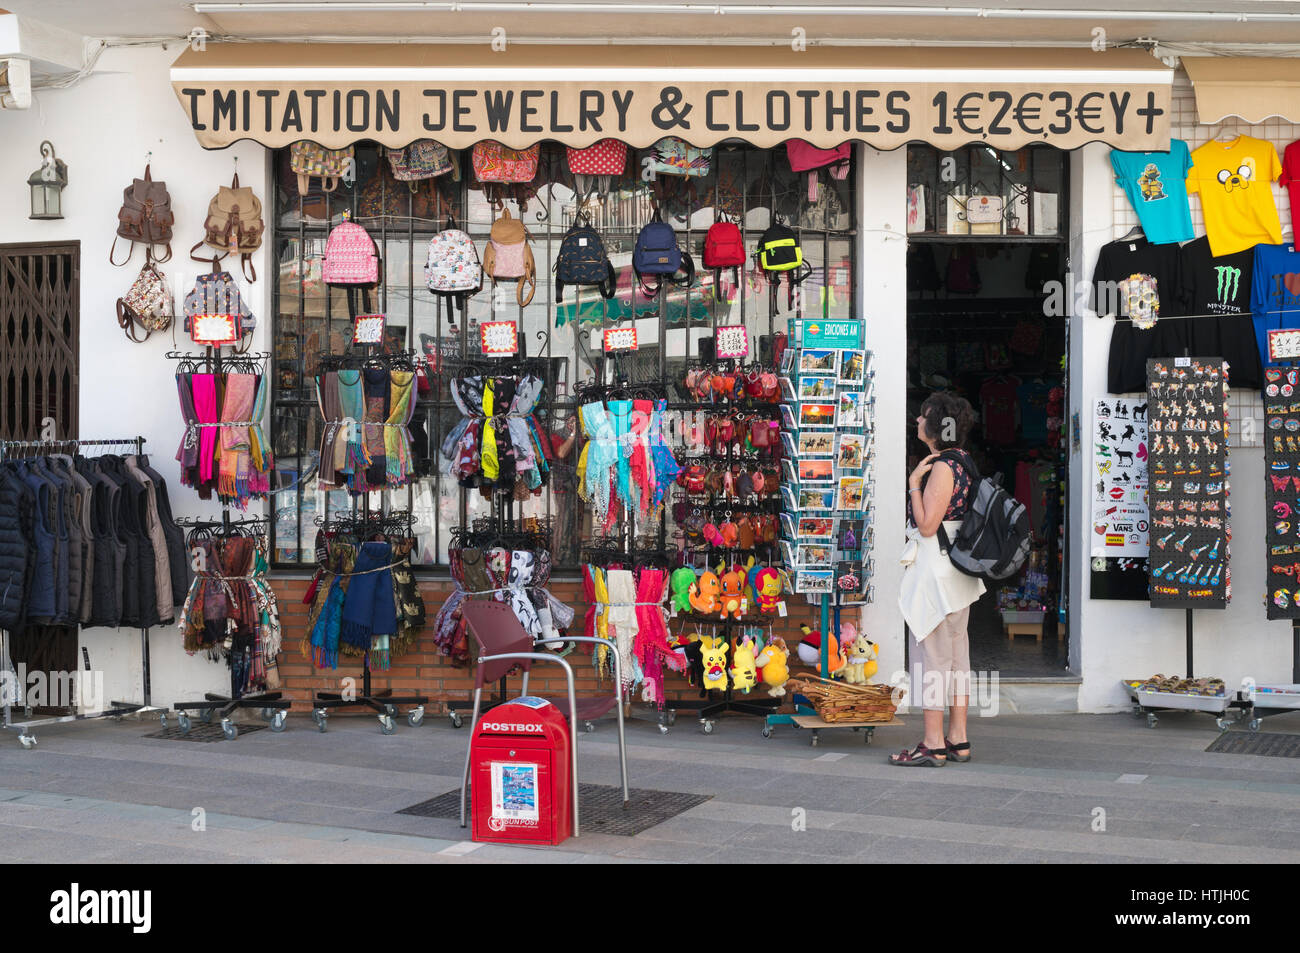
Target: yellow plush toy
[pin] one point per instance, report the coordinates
(772, 661)
(861, 656)
(714, 654)
(743, 673)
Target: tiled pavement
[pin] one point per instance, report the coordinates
(100, 791)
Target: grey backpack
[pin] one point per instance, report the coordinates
(993, 542)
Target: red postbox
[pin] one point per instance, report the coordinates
(521, 774)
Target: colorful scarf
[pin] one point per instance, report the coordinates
(369, 609)
(232, 484)
(352, 404)
(397, 441)
(259, 480)
(187, 454)
(376, 397)
(205, 412)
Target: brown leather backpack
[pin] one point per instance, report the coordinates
(234, 225)
(146, 216)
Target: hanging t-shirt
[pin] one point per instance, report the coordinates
(1032, 396)
(1218, 296)
(1275, 293)
(1291, 177)
(1138, 282)
(1156, 185)
(998, 403)
(1233, 179)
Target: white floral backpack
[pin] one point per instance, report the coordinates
(453, 269)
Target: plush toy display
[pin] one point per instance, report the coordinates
(703, 594)
(713, 657)
(773, 663)
(861, 655)
(744, 676)
(681, 581)
(733, 592)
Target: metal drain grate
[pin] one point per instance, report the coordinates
(601, 805)
(201, 732)
(1268, 744)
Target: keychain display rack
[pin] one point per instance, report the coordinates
(827, 428)
(24, 448)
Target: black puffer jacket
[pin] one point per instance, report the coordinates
(16, 506)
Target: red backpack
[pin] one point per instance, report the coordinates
(724, 247)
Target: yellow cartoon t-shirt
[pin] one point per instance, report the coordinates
(1234, 180)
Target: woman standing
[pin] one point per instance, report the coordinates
(934, 596)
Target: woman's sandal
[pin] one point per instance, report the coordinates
(919, 757)
(959, 753)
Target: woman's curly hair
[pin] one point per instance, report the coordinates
(948, 416)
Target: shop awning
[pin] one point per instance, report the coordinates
(1252, 87)
(336, 94)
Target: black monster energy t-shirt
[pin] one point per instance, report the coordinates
(1217, 295)
(1138, 282)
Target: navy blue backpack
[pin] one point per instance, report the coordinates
(657, 255)
(582, 261)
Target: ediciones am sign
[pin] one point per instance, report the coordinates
(397, 94)
(844, 334)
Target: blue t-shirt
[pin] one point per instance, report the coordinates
(1274, 292)
(1156, 185)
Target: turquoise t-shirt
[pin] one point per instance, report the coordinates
(1156, 185)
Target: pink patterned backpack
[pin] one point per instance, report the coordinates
(350, 257)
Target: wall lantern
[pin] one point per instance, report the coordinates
(47, 183)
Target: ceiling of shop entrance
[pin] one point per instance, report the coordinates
(964, 21)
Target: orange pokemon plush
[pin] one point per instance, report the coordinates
(703, 594)
(733, 589)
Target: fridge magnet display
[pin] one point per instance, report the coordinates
(853, 367)
(816, 443)
(850, 538)
(814, 554)
(817, 498)
(818, 361)
(815, 388)
(849, 449)
(850, 494)
(814, 581)
(816, 471)
(1282, 490)
(1120, 516)
(1187, 404)
(817, 414)
(816, 527)
(851, 404)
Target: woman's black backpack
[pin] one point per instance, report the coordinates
(993, 542)
(582, 261)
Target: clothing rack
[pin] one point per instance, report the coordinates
(383, 702)
(272, 704)
(9, 691)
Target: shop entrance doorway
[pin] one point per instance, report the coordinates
(985, 271)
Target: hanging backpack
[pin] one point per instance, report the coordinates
(494, 162)
(148, 304)
(596, 166)
(452, 268)
(805, 157)
(993, 542)
(582, 260)
(307, 159)
(234, 225)
(779, 253)
(509, 255)
(215, 313)
(674, 156)
(724, 247)
(145, 216)
(350, 257)
(422, 159)
(656, 253)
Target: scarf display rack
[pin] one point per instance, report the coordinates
(351, 586)
(12, 691)
(252, 664)
(222, 400)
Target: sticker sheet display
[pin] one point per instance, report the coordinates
(1187, 407)
(1282, 490)
(1120, 518)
